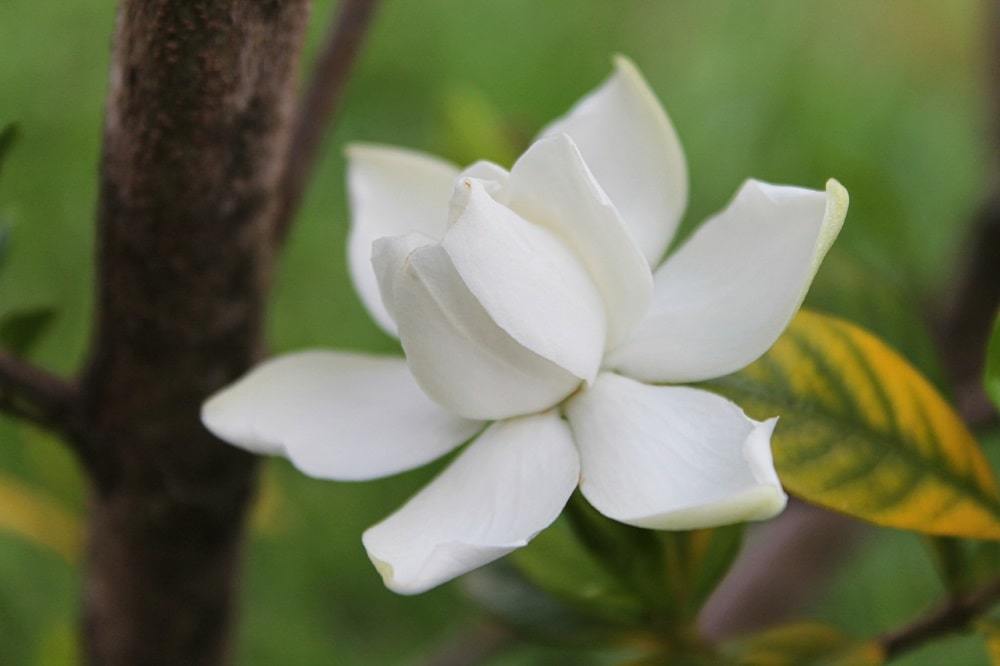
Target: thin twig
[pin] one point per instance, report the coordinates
(319, 104)
(30, 393)
(954, 616)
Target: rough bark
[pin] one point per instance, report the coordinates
(197, 123)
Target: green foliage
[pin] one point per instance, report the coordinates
(992, 379)
(864, 433)
(506, 594)
(634, 556)
(989, 629)
(557, 563)
(789, 92)
(8, 137)
(21, 330)
(803, 644)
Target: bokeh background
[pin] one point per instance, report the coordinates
(888, 96)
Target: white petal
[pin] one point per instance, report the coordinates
(510, 484)
(724, 298)
(389, 254)
(671, 457)
(458, 354)
(392, 192)
(529, 281)
(336, 415)
(551, 185)
(487, 171)
(632, 149)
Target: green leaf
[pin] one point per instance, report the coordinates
(634, 556)
(965, 564)
(671, 573)
(4, 242)
(8, 137)
(864, 433)
(992, 379)
(38, 519)
(503, 592)
(555, 562)
(989, 629)
(20, 330)
(803, 644)
(696, 561)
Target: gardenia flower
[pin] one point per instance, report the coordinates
(534, 324)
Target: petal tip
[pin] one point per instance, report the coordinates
(624, 64)
(387, 572)
(210, 414)
(838, 199)
(837, 202)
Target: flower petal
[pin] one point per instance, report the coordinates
(531, 284)
(510, 484)
(456, 351)
(392, 192)
(632, 149)
(336, 415)
(551, 186)
(724, 298)
(672, 457)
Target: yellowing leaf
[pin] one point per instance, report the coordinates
(862, 432)
(989, 629)
(802, 644)
(36, 518)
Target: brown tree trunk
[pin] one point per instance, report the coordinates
(197, 124)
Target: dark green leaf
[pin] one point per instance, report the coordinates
(556, 562)
(993, 364)
(505, 593)
(635, 556)
(965, 564)
(20, 330)
(696, 562)
(8, 137)
(4, 241)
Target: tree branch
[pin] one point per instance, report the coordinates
(318, 106)
(197, 122)
(954, 616)
(36, 395)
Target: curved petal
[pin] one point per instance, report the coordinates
(529, 282)
(510, 484)
(490, 175)
(671, 457)
(632, 149)
(389, 254)
(457, 352)
(336, 415)
(551, 186)
(392, 191)
(727, 294)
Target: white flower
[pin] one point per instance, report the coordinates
(529, 314)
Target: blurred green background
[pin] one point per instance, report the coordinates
(887, 96)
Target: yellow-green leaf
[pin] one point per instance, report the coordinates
(992, 378)
(989, 629)
(862, 432)
(38, 519)
(804, 644)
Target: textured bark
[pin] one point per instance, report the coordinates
(197, 124)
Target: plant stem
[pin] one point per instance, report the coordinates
(956, 615)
